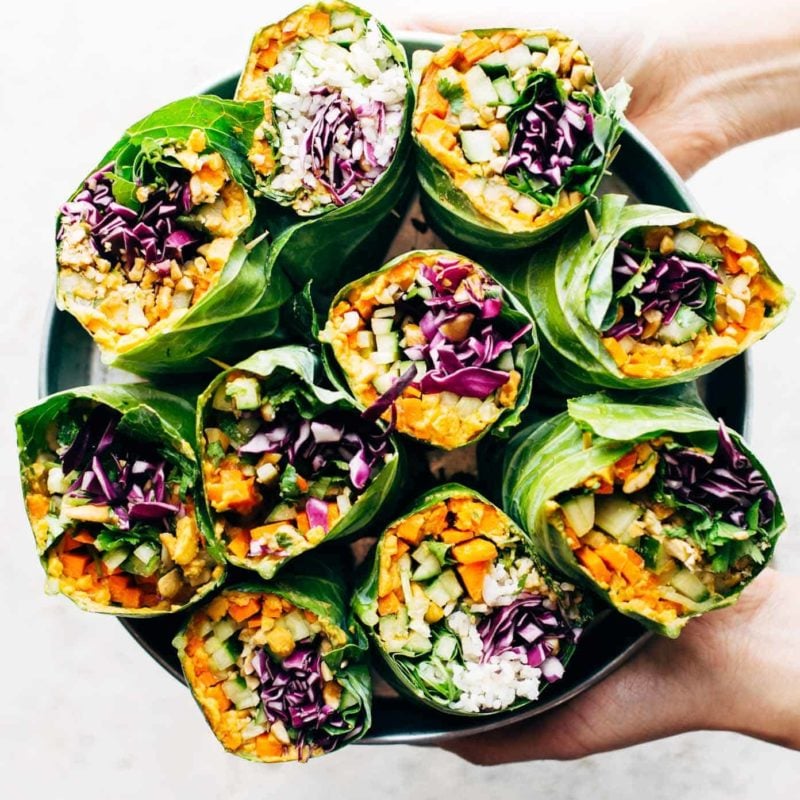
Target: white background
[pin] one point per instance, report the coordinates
(85, 713)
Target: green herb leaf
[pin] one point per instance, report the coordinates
(453, 93)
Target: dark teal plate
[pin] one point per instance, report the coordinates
(70, 359)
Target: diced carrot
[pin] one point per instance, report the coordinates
(754, 316)
(38, 505)
(402, 548)
(272, 607)
(68, 544)
(435, 104)
(131, 597)
(269, 55)
(303, 524)
(731, 261)
(612, 556)
(436, 519)
(263, 531)
(453, 536)
(230, 489)
(117, 586)
(267, 746)
(625, 465)
(634, 557)
(388, 604)
(594, 564)
(508, 41)
(605, 488)
(472, 575)
(74, 564)
(616, 350)
(435, 128)
(411, 529)
(631, 572)
(240, 544)
(478, 50)
(302, 483)
(222, 700)
(240, 613)
(333, 514)
(319, 23)
(446, 57)
(764, 289)
(208, 678)
(474, 551)
(572, 537)
(193, 644)
(309, 616)
(254, 622)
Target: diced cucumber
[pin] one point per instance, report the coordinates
(297, 626)
(204, 628)
(383, 358)
(227, 654)
(428, 568)
(282, 513)
(387, 343)
(687, 583)
(381, 325)
(477, 145)
(220, 401)
(136, 566)
(224, 629)
(383, 312)
(654, 554)
(539, 44)
(365, 340)
(505, 91)
(468, 406)
(439, 550)
(579, 513)
(342, 19)
(113, 558)
(383, 383)
(445, 589)
(506, 362)
(710, 249)
(247, 427)
(421, 553)
(615, 516)
(235, 689)
(446, 647)
(267, 473)
(687, 242)
(685, 326)
(480, 87)
(252, 730)
(212, 644)
(245, 392)
(393, 630)
(517, 57)
(418, 644)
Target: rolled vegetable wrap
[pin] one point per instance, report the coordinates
(435, 343)
(464, 618)
(513, 135)
(648, 297)
(111, 487)
(652, 504)
(152, 251)
(278, 669)
(286, 463)
(335, 135)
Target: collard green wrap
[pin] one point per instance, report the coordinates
(513, 135)
(572, 287)
(648, 501)
(436, 343)
(334, 66)
(465, 621)
(112, 490)
(287, 463)
(160, 255)
(289, 655)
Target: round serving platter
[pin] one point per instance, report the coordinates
(70, 359)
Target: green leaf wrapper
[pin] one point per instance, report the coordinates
(243, 305)
(315, 587)
(547, 460)
(275, 369)
(402, 665)
(450, 209)
(321, 243)
(567, 285)
(148, 415)
(513, 315)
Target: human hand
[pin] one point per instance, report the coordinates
(736, 669)
(705, 79)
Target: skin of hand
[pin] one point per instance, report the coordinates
(735, 669)
(706, 77)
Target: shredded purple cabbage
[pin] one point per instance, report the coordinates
(528, 627)
(725, 484)
(291, 692)
(111, 474)
(341, 158)
(462, 364)
(549, 136)
(122, 234)
(669, 282)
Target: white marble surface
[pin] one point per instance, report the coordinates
(87, 714)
